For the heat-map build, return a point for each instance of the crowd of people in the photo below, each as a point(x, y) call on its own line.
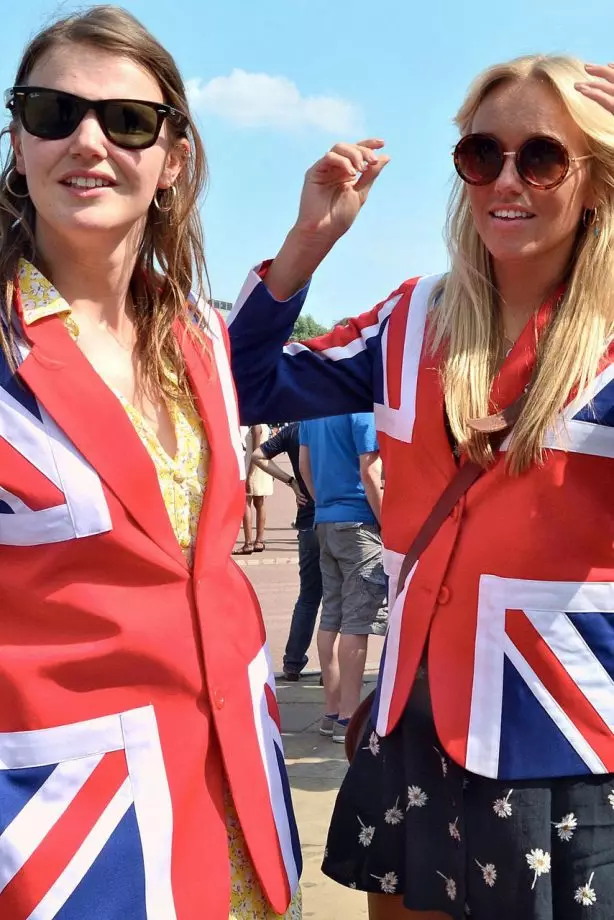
point(141, 762)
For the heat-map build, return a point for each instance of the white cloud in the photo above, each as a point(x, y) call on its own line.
point(259, 100)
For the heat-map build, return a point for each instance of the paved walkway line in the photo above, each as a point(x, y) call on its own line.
point(274, 560)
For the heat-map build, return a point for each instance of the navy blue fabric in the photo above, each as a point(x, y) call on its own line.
point(17, 389)
point(600, 410)
point(286, 441)
point(540, 743)
point(17, 788)
point(114, 887)
point(296, 843)
point(597, 630)
point(272, 385)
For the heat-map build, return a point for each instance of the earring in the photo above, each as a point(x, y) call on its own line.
point(7, 184)
point(169, 207)
point(591, 219)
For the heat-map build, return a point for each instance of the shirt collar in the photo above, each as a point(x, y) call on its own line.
point(39, 298)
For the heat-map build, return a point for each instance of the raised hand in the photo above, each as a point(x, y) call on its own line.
point(337, 186)
point(600, 86)
point(334, 191)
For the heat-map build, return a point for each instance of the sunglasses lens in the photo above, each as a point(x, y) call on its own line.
point(478, 159)
point(131, 124)
point(542, 162)
point(50, 115)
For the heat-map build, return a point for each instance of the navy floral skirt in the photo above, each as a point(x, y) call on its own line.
point(409, 821)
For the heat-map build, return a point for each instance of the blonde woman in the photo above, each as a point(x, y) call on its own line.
point(484, 783)
point(137, 779)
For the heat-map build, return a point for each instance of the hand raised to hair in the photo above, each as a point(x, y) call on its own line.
point(600, 85)
point(337, 186)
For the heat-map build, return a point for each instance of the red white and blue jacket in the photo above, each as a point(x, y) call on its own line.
point(131, 689)
point(515, 595)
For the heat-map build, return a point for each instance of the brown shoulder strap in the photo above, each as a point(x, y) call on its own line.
point(498, 426)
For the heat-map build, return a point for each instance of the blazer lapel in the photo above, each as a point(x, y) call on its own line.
point(224, 501)
point(516, 372)
point(84, 407)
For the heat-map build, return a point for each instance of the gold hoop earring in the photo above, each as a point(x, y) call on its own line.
point(7, 184)
point(169, 207)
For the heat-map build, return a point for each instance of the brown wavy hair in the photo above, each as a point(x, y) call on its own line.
point(170, 263)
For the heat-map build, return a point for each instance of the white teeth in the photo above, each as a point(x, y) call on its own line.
point(512, 215)
point(84, 182)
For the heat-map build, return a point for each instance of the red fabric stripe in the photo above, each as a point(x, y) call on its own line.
point(397, 326)
point(25, 481)
point(560, 685)
point(272, 706)
point(42, 870)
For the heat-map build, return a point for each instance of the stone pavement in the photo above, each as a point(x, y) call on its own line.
point(316, 765)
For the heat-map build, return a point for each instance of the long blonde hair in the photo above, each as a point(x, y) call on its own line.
point(170, 262)
point(465, 320)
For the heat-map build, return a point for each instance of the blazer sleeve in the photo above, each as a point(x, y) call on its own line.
point(334, 374)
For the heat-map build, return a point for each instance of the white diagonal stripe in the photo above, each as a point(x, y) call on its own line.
point(251, 283)
point(80, 483)
point(556, 713)
point(32, 824)
point(391, 660)
point(230, 400)
point(153, 808)
point(85, 856)
point(599, 383)
point(585, 669)
point(27, 435)
point(259, 673)
point(15, 503)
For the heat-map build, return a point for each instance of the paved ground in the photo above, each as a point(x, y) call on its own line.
point(316, 766)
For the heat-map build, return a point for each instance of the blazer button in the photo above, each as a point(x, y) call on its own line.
point(444, 595)
point(218, 699)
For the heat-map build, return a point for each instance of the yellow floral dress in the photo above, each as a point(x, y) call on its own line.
point(183, 480)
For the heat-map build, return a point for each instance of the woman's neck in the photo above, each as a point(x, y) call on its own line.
point(522, 289)
point(95, 281)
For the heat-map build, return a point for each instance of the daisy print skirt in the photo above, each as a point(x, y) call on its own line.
point(409, 821)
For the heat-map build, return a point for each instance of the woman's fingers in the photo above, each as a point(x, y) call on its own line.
point(605, 71)
point(347, 161)
point(600, 86)
point(371, 174)
point(601, 93)
point(358, 154)
point(333, 167)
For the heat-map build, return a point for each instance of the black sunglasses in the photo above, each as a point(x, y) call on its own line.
point(542, 162)
point(53, 115)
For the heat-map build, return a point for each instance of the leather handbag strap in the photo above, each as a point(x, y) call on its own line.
point(498, 427)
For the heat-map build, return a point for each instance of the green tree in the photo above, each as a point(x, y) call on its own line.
point(306, 327)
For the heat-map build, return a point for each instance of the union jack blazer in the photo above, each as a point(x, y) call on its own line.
point(514, 598)
point(133, 691)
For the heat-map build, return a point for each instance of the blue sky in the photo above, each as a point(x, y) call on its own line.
point(275, 83)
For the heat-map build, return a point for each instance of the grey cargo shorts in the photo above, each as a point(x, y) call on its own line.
point(353, 580)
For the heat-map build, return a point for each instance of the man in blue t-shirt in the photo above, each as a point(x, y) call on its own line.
point(310, 580)
point(341, 467)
